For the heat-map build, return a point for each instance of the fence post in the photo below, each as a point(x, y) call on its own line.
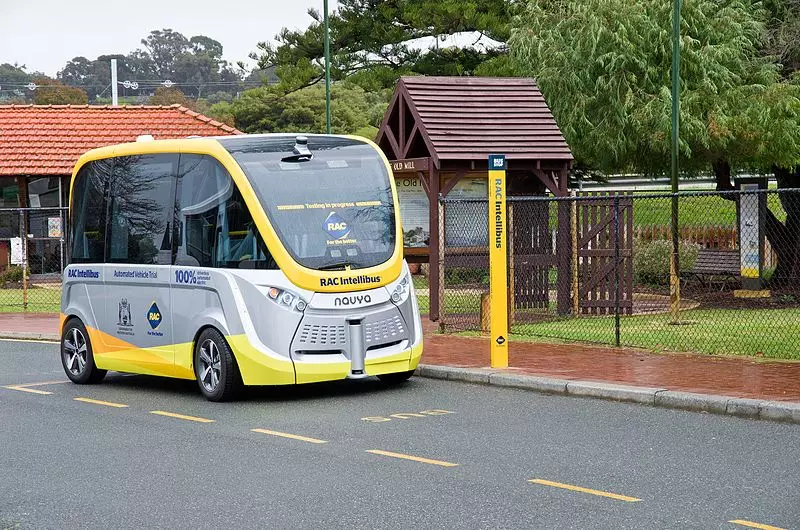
point(674, 265)
point(616, 269)
point(512, 302)
point(440, 305)
point(23, 221)
point(576, 299)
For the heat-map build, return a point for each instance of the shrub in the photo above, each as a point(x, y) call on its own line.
point(466, 276)
point(651, 261)
point(12, 274)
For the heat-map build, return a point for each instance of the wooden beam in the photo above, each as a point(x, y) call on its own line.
point(410, 140)
point(393, 142)
point(563, 181)
point(401, 127)
point(423, 178)
point(548, 181)
point(385, 122)
point(450, 184)
point(418, 119)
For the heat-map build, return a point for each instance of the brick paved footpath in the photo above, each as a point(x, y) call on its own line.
point(729, 376)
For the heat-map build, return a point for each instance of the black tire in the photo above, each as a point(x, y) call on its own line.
point(215, 367)
point(77, 356)
point(396, 378)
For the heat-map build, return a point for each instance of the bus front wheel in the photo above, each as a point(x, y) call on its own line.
point(77, 356)
point(215, 367)
point(396, 378)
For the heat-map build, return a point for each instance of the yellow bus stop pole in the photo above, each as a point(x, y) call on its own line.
point(498, 262)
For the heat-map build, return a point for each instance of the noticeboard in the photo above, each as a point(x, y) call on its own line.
point(461, 227)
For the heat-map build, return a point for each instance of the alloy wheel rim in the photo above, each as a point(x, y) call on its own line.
point(210, 365)
point(75, 351)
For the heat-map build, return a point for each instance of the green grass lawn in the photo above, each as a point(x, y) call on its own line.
point(773, 333)
point(40, 300)
point(420, 281)
point(453, 303)
point(703, 210)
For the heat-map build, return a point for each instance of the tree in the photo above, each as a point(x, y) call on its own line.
point(373, 41)
point(783, 34)
point(168, 96)
point(164, 47)
point(268, 109)
point(604, 66)
point(52, 92)
point(12, 79)
point(222, 111)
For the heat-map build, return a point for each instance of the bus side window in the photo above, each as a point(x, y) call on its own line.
point(218, 229)
point(140, 195)
point(89, 202)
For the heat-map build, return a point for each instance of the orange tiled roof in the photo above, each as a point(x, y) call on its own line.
point(49, 139)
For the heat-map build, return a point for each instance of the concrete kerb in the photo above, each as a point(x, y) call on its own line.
point(659, 397)
point(24, 335)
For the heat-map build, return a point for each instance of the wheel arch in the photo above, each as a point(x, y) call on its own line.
point(216, 325)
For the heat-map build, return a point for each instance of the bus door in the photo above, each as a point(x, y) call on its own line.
point(138, 264)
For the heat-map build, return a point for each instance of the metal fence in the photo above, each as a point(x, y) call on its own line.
point(32, 258)
point(596, 268)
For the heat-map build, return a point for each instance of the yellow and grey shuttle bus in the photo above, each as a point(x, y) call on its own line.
point(256, 259)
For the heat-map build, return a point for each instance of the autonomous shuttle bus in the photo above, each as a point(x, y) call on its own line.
point(254, 259)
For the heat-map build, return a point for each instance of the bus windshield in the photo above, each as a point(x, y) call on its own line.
point(332, 211)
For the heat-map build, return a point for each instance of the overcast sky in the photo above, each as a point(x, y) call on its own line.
point(45, 34)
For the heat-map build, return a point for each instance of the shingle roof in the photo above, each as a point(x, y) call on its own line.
point(469, 118)
point(49, 139)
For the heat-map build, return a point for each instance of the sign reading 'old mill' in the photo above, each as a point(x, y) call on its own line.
point(410, 165)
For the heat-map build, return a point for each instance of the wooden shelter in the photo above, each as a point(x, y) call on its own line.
point(439, 131)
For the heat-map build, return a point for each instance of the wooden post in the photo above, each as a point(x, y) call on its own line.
point(576, 299)
point(434, 261)
point(564, 248)
point(564, 259)
point(440, 295)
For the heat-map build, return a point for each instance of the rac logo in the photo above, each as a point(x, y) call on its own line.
point(154, 316)
point(352, 300)
point(336, 226)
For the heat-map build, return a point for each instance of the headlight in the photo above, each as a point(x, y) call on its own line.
point(286, 299)
point(401, 289)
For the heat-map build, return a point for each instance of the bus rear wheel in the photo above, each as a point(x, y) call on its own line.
point(396, 378)
point(215, 367)
point(77, 357)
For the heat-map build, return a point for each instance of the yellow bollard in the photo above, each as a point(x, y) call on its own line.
point(498, 262)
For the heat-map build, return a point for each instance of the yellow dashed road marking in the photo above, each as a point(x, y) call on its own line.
point(29, 390)
point(181, 416)
point(410, 457)
point(584, 490)
point(751, 524)
point(27, 387)
point(98, 402)
point(292, 436)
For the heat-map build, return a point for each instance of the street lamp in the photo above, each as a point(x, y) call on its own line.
point(674, 269)
point(327, 40)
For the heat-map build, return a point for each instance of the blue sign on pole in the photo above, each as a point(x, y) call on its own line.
point(497, 162)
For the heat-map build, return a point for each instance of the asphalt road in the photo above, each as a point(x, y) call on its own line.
point(67, 463)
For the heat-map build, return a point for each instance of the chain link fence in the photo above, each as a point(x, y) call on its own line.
point(32, 259)
point(595, 268)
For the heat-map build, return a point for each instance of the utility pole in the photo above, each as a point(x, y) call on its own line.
point(674, 264)
point(327, 40)
point(114, 95)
